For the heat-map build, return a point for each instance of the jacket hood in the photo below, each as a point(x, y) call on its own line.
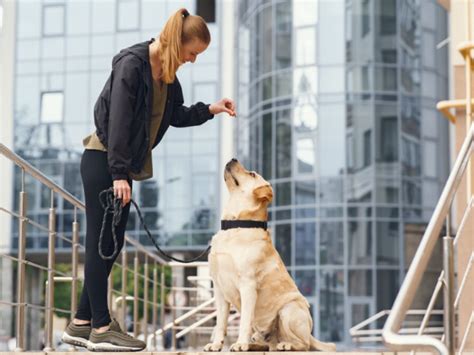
point(140, 50)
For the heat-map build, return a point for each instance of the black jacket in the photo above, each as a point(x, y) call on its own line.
point(123, 110)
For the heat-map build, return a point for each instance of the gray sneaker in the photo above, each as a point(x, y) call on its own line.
point(77, 335)
point(114, 339)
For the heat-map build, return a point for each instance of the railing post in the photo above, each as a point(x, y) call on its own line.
point(50, 287)
point(135, 295)
point(20, 290)
point(448, 264)
point(124, 286)
point(75, 262)
point(155, 298)
point(173, 330)
point(162, 302)
point(145, 300)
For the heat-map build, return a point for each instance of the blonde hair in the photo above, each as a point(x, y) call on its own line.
point(180, 29)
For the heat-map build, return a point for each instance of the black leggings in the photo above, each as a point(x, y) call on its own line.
point(95, 178)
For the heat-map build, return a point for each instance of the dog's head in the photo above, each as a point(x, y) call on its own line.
point(249, 193)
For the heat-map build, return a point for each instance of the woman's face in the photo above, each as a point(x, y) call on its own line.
point(191, 50)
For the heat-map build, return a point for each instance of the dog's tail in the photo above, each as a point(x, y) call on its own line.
point(315, 344)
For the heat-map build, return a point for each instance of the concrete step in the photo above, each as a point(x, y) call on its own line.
point(229, 353)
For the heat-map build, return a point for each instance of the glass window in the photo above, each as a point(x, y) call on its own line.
point(102, 20)
point(388, 18)
point(331, 41)
point(306, 282)
point(365, 17)
point(367, 148)
point(305, 12)
point(388, 243)
point(128, 15)
point(207, 10)
point(331, 303)
point(53, 20)
point(331, 248)
point(51, 107)
point(360, 242)
point(331, 190)
point(78, 18)
point(283, 242)
point(430, 159)
point(387, 289)
point(305, 192)
point(267, 149)
point(389, 56)
point(387, 190)
point(331, 135)
point(283, 144)
point(305, 46)
point(204, 190)
point(305, 244)
point(305, 155)
point(283, 193)
point(388, 147)
point(360, 282)
point(359, 313)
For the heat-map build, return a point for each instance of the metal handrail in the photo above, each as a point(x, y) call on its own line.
point(22, 305)
point(390, 335)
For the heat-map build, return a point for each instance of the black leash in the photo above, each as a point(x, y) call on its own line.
point(113, 206)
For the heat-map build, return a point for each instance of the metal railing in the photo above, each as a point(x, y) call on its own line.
point(151, 274)
point(390, 334)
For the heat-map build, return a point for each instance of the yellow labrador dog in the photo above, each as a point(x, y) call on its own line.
point(248, 273)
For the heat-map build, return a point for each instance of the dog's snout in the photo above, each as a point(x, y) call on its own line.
point(230, 163)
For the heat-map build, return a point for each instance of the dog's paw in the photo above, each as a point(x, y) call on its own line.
point(213, 347)
point(284, 346)
point(239, 347)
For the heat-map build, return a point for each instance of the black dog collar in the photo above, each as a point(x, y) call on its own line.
point(230, 224)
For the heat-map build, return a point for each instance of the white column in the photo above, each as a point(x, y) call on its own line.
point(227, 11)
point(7, 58)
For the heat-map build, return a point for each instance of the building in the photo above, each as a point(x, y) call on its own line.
point(337, 103)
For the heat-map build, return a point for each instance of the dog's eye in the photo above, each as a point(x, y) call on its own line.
point(252, 174)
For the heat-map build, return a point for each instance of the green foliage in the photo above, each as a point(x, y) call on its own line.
point(62, 291)
point(117, 285)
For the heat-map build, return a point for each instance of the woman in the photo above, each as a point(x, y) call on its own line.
point(140, 100)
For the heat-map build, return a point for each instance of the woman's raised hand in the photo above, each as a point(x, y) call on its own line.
point(122, 191)
point(223, 105)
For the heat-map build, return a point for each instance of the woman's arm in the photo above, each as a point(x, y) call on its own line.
point(125, 81)
point(193, 115)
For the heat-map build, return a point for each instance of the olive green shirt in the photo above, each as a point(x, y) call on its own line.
point(160, 93)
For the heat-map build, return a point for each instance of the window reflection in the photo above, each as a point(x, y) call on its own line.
point(283, 242)
point(388, 243)
point(305, 244)
point(331, 243)
point(360, 242)
point(360, 282)
point(283, 144)
point(305, 46)
point(305, 152)
point(331, 305)
point(306, 282)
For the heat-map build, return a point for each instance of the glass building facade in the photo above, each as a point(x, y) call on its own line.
point(64, 52)
point(337, 110)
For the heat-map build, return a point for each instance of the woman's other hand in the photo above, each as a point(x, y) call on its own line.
point(223, 105)
point(122, 191)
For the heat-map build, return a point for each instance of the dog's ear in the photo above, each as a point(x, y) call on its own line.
point(264, 193)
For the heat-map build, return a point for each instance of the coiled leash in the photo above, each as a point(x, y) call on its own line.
point(113, 206)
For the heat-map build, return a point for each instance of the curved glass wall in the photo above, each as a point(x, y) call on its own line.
point(337, 110)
